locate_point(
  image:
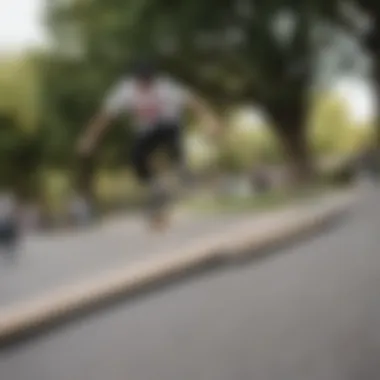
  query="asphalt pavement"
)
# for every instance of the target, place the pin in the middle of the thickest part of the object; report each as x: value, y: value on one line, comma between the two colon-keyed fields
x: 308, y: 312
x: 48, y: 262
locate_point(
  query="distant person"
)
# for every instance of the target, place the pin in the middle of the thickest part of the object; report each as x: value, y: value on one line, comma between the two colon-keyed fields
x: 157, y: 104
x: 369, y: 163
x: 80, y: 211
x: 9, y: 228
x: 260, y: 179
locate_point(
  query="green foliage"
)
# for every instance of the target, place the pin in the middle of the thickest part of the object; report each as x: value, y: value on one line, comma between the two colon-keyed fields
x: 20, y: 137
x: 230, y: 51
x: 248, y: 144
x: 20, y: 159
x: 331, y: 130
x: 19, y: 95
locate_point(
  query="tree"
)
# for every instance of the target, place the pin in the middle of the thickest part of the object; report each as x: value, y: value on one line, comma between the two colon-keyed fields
x: 245, y: 52
x: 20, y: 91
x: 278, y: 72
x: 361, y: 20
x: 329, y: 125
x: 20, y: 139
x: 73, y: 90
x: 245, y: 146
x: 20, y: 158
x: 233, y: 52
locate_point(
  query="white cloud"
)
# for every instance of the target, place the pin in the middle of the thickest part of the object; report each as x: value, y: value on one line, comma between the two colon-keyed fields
x: 20, y: 24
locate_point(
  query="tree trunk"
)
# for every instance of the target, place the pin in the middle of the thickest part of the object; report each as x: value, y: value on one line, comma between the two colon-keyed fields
x: 289, y: 123
x: 376, y: 85
x: 297, y: 150
x: 372, y: 43
x: 85, y: 179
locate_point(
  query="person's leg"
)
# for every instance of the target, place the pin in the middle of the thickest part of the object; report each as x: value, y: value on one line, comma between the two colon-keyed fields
x: 141, y: 151
x: 165, y: 136
x: 142, y: 154
x: 175, y: 146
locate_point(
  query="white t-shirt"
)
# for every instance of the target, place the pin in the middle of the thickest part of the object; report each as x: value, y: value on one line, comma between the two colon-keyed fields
x: 164, y: 101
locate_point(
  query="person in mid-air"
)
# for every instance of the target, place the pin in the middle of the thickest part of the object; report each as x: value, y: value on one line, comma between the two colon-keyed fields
x: 157, y: 105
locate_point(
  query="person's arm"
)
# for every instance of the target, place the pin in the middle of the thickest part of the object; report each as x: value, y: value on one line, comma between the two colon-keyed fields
x: 114, y: 104
x: 97, y: 126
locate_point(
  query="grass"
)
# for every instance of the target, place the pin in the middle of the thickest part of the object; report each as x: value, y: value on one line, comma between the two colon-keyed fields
x: 111, y: 188
x: 118, y: 191
x: 264, y: 202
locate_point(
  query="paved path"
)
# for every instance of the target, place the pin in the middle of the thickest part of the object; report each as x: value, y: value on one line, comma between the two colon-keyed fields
x: 50, y: 262
x: 311, y: 312
x: 47, y: 262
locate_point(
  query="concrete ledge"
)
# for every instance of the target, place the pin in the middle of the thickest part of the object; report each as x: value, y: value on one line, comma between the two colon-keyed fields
x: 29, y: 317
x: 249, y: 242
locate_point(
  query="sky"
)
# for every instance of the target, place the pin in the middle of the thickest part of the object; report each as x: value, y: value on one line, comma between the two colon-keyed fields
x: 21, y: 28
x: 359, y: 98
x: 20, y: 24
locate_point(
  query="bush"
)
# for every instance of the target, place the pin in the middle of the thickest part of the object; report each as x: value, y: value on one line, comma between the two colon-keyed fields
x: 343, y: 175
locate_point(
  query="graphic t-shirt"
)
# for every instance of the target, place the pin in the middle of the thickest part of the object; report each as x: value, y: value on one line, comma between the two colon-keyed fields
x: 163, y: 101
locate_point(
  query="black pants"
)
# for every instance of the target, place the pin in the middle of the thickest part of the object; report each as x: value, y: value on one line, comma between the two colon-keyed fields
x: 162, y: 136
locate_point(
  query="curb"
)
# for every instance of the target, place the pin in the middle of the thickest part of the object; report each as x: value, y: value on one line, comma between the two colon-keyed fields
x: 275, y: 234
x: 30, y: 317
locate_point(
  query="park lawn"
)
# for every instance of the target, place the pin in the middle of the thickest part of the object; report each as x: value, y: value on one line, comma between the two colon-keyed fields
x: 118, y: 192
x: 263, y: 202
x: 112, y: 188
